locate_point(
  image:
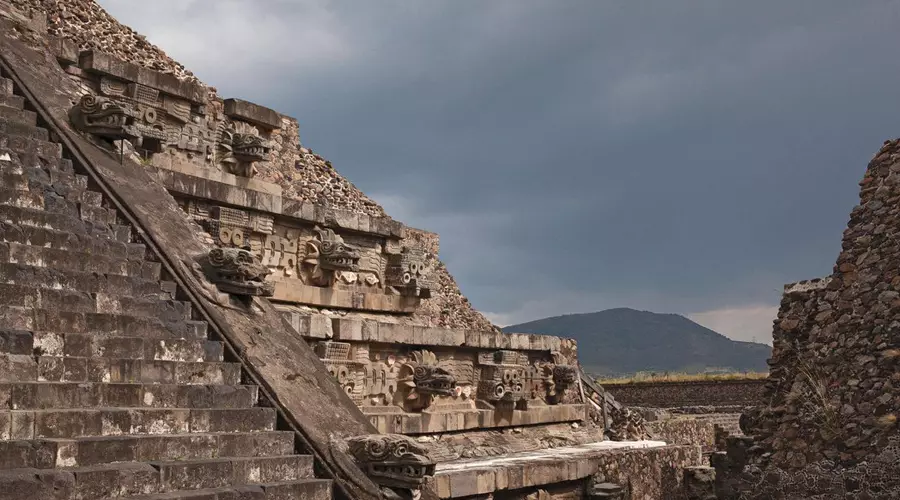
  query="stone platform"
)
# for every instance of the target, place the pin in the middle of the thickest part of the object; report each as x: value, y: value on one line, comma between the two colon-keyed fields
x: 648, y: 469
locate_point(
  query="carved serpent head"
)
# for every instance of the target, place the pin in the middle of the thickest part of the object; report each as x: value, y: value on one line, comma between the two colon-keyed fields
x: 392, y: 460
x: 102, y: 117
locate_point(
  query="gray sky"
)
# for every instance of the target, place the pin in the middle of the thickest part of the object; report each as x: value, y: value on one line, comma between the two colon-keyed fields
x: 687, y: 157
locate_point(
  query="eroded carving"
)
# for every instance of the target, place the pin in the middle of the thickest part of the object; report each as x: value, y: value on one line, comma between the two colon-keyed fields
x: 392, y: 460
x: 239, y: 147
x: 502, y: 377
x: 407, y: 273
x: 103, y: 117
x: 422, y: 379
x: 237, y: 271
x: 328, y: 255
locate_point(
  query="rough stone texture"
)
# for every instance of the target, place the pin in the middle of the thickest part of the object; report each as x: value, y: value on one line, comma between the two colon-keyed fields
x: 832, y: 389
x: 685, y: 430
x: 282, y: 362
x: 647, y: 473
x: 827, y: 424
x: 694, y: 393
x: 302, y: 173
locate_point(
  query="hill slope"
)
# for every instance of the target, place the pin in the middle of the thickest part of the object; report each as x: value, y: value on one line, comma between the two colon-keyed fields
x: 619, y: 341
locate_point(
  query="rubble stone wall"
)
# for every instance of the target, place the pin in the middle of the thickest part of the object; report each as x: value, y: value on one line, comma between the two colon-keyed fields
x: 831, y: 393
x: 681, y: 394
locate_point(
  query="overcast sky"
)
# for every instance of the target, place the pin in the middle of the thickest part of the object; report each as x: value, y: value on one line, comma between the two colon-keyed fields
x: 687, y: 157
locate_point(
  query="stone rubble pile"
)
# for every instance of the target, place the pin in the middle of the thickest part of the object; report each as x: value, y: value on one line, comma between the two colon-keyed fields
x: 300, y: 172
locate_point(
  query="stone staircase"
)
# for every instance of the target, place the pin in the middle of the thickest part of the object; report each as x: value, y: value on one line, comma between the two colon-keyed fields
x: 109, y: 389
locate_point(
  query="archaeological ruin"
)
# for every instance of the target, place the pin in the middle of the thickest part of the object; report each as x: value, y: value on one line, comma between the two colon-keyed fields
x: 196, y: 306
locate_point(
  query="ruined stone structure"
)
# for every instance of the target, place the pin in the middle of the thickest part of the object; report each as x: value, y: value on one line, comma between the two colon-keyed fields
x: 826, y: 426
x: 194, y: 306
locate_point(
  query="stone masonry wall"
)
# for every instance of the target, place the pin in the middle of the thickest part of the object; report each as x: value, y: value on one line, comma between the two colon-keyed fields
x: 832, y: 387
x: 716, y: 393
x: 300, y: 172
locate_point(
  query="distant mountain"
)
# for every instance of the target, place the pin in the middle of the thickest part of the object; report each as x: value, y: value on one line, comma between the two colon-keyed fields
x: 624, y: 341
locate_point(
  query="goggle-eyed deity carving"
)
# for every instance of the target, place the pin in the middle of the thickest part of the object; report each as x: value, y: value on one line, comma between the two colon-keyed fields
x: 503, y: 377
x: 407, y: 273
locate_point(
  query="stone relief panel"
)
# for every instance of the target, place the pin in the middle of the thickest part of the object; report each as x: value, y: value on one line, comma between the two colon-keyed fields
x: 313, y: 256
x: 384, y: 379
x: 154, y: 121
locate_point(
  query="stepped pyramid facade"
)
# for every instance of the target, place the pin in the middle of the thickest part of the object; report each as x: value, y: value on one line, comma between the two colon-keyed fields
x: 193, y: 305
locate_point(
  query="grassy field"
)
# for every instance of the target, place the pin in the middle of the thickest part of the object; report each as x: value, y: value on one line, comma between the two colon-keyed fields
x: 647, y: 377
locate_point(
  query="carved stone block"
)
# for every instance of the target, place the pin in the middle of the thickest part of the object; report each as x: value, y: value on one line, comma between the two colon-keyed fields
x: 103, y: 117
x: 253, y: 113
x: 392, y: 460
x: 237, y: 271
x: 407, y: 273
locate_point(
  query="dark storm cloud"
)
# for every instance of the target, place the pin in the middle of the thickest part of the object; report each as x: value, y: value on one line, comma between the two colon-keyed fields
x: 578, y: 155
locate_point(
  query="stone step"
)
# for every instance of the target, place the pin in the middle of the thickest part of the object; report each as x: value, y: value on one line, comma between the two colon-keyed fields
x: 143, y: 481
x: 62, y: 192
x: 86, y: 395
x: 56, y: 183
x: 50, y: 453
x: 83, y: 262
x: 216, y: 473
x: 86, y: 302
x: 102, y: 283
x: 12, y: 101
x: 15, y: 128
x: 85, y: 345
x: 72, y: 242
x: 97, y: 422
x: 18, y: 115
x: 65, y: 222
x: 21, y: 198
x: 50, y: 200
x: 34, y: 157
x: 22, y: 368
x: 306, y: 489
x: 6, y: 86
x: 97, y: 324
x: 13, y: 180
x: 22, y: 144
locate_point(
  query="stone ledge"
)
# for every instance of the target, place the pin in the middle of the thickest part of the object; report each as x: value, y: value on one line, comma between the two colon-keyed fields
x: 616, y: 460
x: 343, y: 299
x: 212, y: 174
x: 461, y: 420
x: 65, y: 50
x: 198, y: 187
x: 95, y: 61
x: 327, y: 327
x: 254, y: 194
x: 253, y: 113
x: 352, y: 329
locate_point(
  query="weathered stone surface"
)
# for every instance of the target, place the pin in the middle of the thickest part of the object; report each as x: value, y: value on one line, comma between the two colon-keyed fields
x: 253, y: 113
x: 99, y: 62
x: 831, y: 394
x: 314, y: 403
